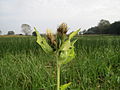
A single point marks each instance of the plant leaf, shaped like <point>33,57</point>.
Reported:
<point>73,42</point>
<point>73,34</point>
<point>65,46</point>
<point>66,50</point>
<point>43,43</point>
<point>67,56</point>
<point>65,86</point>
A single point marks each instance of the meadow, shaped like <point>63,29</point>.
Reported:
<point>24,66</point>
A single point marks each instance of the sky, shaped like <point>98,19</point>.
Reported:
<point>49,14</point>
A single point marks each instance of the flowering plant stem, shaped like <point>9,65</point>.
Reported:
<point>58,76</point>
<point>58,72</point>
<point>62,46</point>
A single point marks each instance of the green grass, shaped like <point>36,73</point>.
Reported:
<point>24,66</point>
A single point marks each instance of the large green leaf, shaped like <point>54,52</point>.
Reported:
<point>65,86</point>
<point>65,46</point>
<point>67,56</point>
<point>43,43</point>
<point>67,50</point>
<point>73,34</point>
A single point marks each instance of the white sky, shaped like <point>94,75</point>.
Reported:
<point>48,14</point>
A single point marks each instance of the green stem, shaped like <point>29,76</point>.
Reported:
<point>58,74</point>
<point>58,77</point>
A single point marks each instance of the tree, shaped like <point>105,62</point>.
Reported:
<point>10,33</point>
<point>114,28</point>
<point>84,31</point>
<point>93,30</point>
<point>103,25</point>
<point>0,32</point>
<point>101,28</point>
<point>26,29</point>
<point>34,33</point>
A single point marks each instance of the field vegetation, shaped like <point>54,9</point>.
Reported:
<point>24,66</point>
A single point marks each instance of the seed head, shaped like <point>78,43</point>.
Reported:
<point>51,37</point>
<point>62,29</point>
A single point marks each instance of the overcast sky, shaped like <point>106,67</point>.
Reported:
<point>48,14</point>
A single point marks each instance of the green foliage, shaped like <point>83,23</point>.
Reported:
<point>24,65</point>
<point>64,87</point>
<point>104,27</point>
<point>67,49</point>
<point>73,34</point>
<point>64,53</point>
<point>43,43</point>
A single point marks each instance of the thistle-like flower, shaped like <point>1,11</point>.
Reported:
<point>62,29</point>
<point>51,38</point>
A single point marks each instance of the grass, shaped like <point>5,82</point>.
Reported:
<point>24,66</point>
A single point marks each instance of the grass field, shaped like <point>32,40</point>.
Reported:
<point>24,66</point>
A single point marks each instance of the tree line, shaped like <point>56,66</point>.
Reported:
<point>25,28</point>
<point>105,27</point>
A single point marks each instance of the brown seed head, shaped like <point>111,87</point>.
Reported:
<point>51,37</point>
<point>62,29</point>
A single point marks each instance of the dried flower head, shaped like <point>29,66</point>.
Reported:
<point>62,29</point>
<point>51,37</point>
